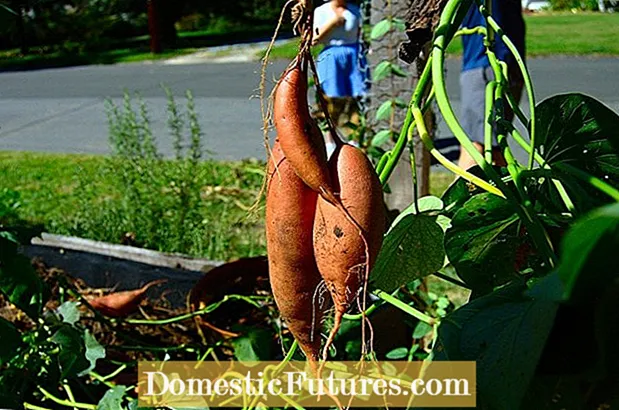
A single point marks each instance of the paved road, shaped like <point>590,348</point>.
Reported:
<point>62,110</point>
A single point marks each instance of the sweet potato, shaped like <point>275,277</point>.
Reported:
<point>299,136</point>
<point>121,304</point>
<point>339,246</point>
<point>290,210</point>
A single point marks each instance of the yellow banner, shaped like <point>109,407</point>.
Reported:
<point>295,384</point>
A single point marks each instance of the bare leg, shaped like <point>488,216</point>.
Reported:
<point>466,161</point>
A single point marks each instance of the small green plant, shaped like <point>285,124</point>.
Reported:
<point>164,203</point>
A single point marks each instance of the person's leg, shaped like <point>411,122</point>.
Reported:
<point>351,119</point>
<point>473,88</point>
<point>329,65</point>
<point>472,96</point>
<point>516,86</point>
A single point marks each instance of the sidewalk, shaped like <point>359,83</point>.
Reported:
<point>235,53</point>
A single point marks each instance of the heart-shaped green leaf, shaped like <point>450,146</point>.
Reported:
<point>94,351</point>
<point>398,71</point>
<point>412,249</point>
<point>69,312</point>
<point>112,399</point>
<point>18,280</point>
<point>382,71</point>
<point>586,266</point>
<point>254,345</point>
<point>380,29</point>
<point>71,358</point>
<point>578,134</point>
<point>505,333</point>
<point>482,242</point>
<point>397,353</point>
<point>381,137</point>
<point>384,111</point>
<point>10,340</point>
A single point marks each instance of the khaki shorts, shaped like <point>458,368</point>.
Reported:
<point>473,98</point>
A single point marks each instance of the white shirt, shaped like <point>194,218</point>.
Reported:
<point>348,33</point>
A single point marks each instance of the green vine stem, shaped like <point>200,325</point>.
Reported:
<point>488,127</point>
<point>594,181</point>
<point>511,100</point>
<point>114,373</point>
<point>210,308</point>
<point>382,162</point>
<point>209,351</point>
<point>411,150</point>
<point>530,219</point>
<point>404,307</point>
<point>525,75</point>
<point>287,358</point>
<point>165,349</point>
<point>393,300</point>
<point>33,407</point>
<point>272,371</point>
<point>394,155</point>
<point>66,403</point>
<point>69,392</point>
<point>425,137</point>
<point>451,280</point>
<point>414,117</point>
<point>291,402</point>
<point>438,65</point>
<point>101,379</point>
<point>359,316</point>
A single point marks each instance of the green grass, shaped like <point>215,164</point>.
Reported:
<point>71,194</point>
<point>567,33</point>
<point>286,50</point>
<point>547,34</point>
<point>79,195</point>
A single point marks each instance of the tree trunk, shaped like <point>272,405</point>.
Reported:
<point>386,48</point>
<point>154,28</point>
<point>21,30</point>
<point>170,12</point>
<point>422,18</point>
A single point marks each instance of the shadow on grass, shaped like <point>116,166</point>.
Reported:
<point>129,50</point>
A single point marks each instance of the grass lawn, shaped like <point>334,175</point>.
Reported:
<point>547,34</point>
<point>82,195</point>
<point>78,195</point>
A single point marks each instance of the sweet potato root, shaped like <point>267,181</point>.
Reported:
<point>121,304</point>
<point>290,210</point>
<point>299,136</point>
<point>339,246</point>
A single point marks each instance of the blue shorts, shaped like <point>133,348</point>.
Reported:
<point>342,71</point>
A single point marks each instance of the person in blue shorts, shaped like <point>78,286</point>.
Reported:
<point>337,25</point>
<point>477,73</point>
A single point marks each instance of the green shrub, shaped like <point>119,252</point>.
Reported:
<point>590,5</point>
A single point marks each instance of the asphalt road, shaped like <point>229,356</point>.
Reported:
<point>62,110</point>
